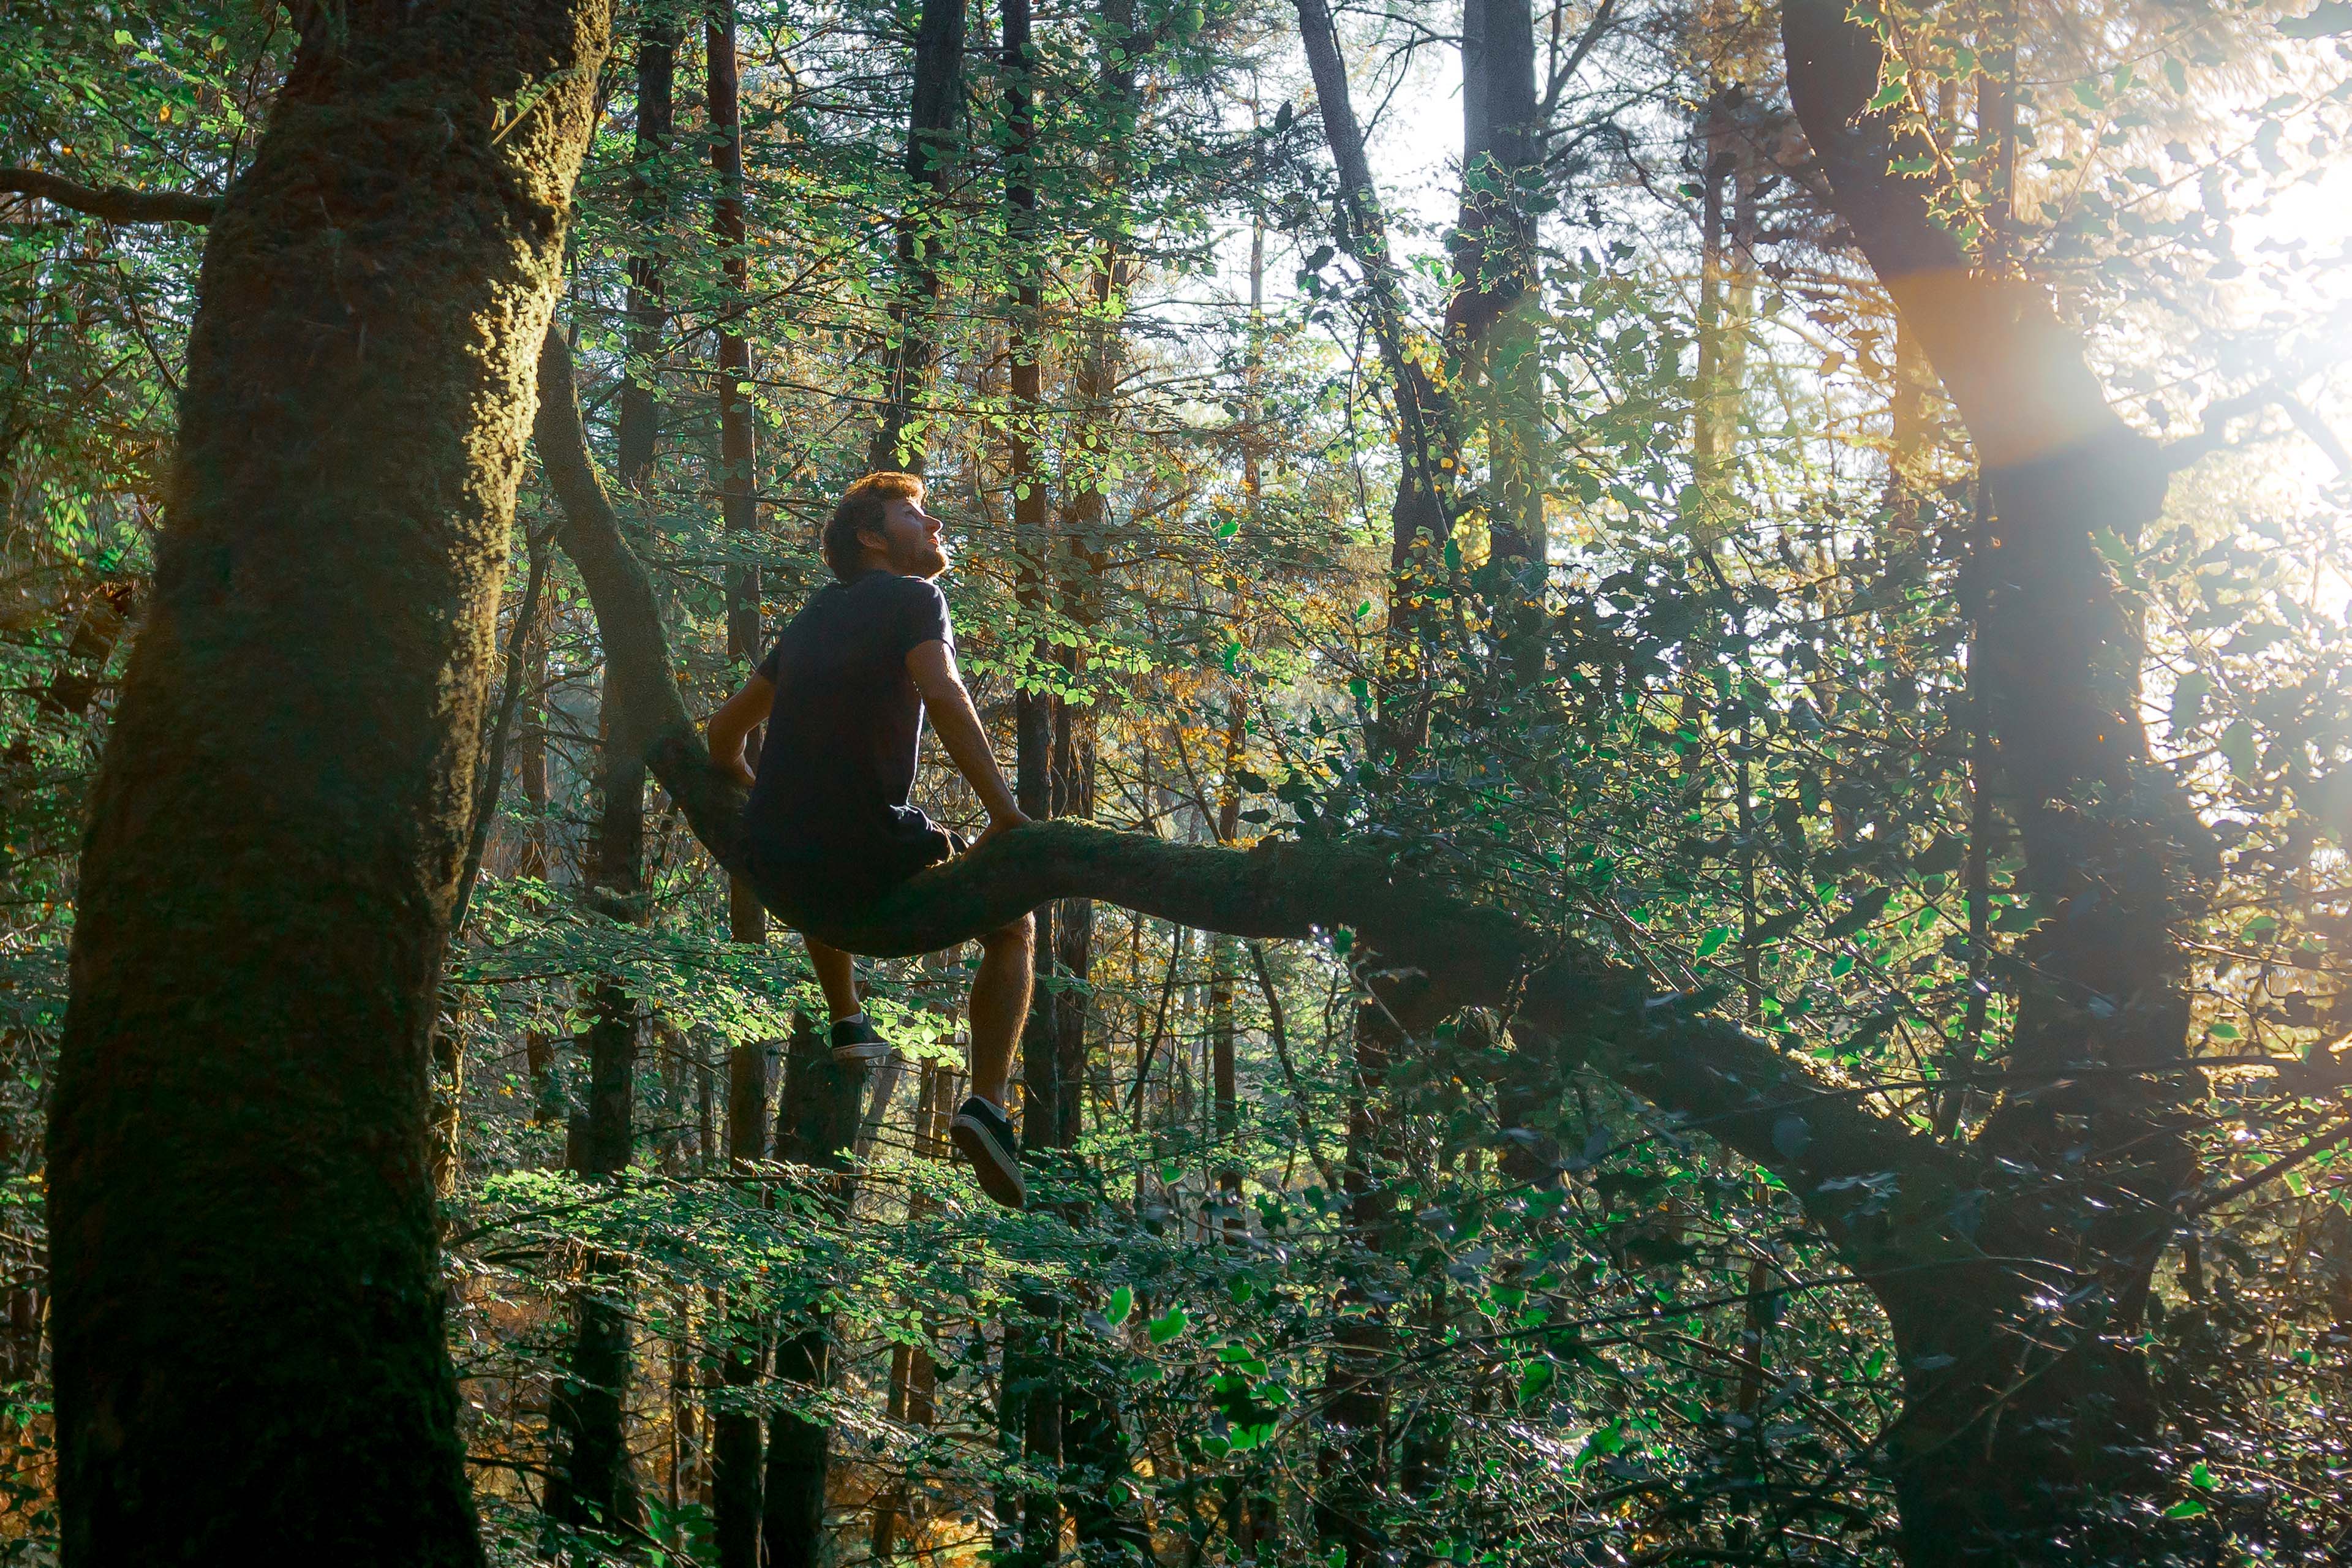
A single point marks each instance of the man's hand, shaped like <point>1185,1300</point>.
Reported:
<point>733,723</point>
<point>999,825</point>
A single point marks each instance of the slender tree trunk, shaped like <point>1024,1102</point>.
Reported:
<point>735,1457</point>
<point>1030,1409</point>
<point>817,1118</point>
<point>640,422</point>
<point>1428,436</point>
<point>241,1217</point>
<point>738,452</point>
<point>596,1485</point>
<point>933,113</point>
<point>913,1396</point>
<point>738,1502</point>
<point>1224,962</point>
<point>1354,1463</point>
<point>1492,323</point>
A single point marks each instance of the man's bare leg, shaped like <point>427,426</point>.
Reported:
<point>1000,1005</point>
<point>837,976</point>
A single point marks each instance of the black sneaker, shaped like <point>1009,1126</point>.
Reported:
<point>856,1044</point>
<point>982,1131</point>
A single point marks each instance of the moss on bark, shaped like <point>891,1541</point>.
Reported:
<point>249,1358</point>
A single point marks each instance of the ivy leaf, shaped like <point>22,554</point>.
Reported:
<point>1888,96</point>
<point>1167,1326</point>
<point>1122,1302</point>
<point>2187,1508</point>
<point>1713,940</point>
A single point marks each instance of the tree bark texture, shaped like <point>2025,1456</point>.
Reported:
<point>595,1484</point>
<point>248,1310</point>
<point>1491,318</point>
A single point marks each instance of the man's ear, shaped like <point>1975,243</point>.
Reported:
<point>872,540</point>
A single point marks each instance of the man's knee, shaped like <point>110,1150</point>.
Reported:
<point>1022,932</point>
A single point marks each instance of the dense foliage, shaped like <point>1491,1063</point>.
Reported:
<point>1315,1282</point>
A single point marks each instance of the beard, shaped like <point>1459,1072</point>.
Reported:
<point>924,559</point>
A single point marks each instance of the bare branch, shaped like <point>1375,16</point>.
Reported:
<point>115,204</point>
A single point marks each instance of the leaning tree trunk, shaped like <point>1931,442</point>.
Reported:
<point>2029,1415</point>
<point>248,1309</point>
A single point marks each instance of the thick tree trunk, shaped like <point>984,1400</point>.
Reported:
<point>935,109</point>
<point>2020,1445</point>
<point>248,1311</point>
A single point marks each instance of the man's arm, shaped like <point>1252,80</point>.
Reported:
<point>733,723</point>
<point>932,665</point>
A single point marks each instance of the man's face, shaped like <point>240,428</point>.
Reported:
<point>907,541</point>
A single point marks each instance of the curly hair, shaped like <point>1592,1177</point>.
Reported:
<point>860,508</point>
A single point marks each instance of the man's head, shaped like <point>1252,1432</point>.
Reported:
<point>880,524</point>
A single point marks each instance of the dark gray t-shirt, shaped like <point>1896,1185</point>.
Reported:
<point>839,759</point>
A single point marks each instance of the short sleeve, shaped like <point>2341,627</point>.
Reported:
<point>924,617</point>
<point>772,662</point>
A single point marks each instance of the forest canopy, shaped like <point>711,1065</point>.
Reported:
<point>1681,674</point>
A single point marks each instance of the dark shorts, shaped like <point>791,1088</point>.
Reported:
<point>837,886</point>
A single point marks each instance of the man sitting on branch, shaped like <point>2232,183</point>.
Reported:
<point>844,695</point>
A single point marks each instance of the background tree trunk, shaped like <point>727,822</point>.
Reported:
<point>737,1504</point>
<point>640,421</point>
<point>933,113</point>
<point>242,1223</point>
<point>816,1117</point>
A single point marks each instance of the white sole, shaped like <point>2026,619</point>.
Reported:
<point>1004,1187</point>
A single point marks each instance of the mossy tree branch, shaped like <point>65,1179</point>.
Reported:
<point>1567,999</point>
<point>115,204</point>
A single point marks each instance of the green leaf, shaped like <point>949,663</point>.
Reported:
<point>2177,74</point>
<point>1714,939</point>
<point>1535,1380</point>
<point>2187,1508</point>
<point>1121,1302</point>
<point>1888,96</point>
<point>2201,1475</point>
<point>2258,928</point>
<point>2224,1031</point>
<point>1167,1326</point>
